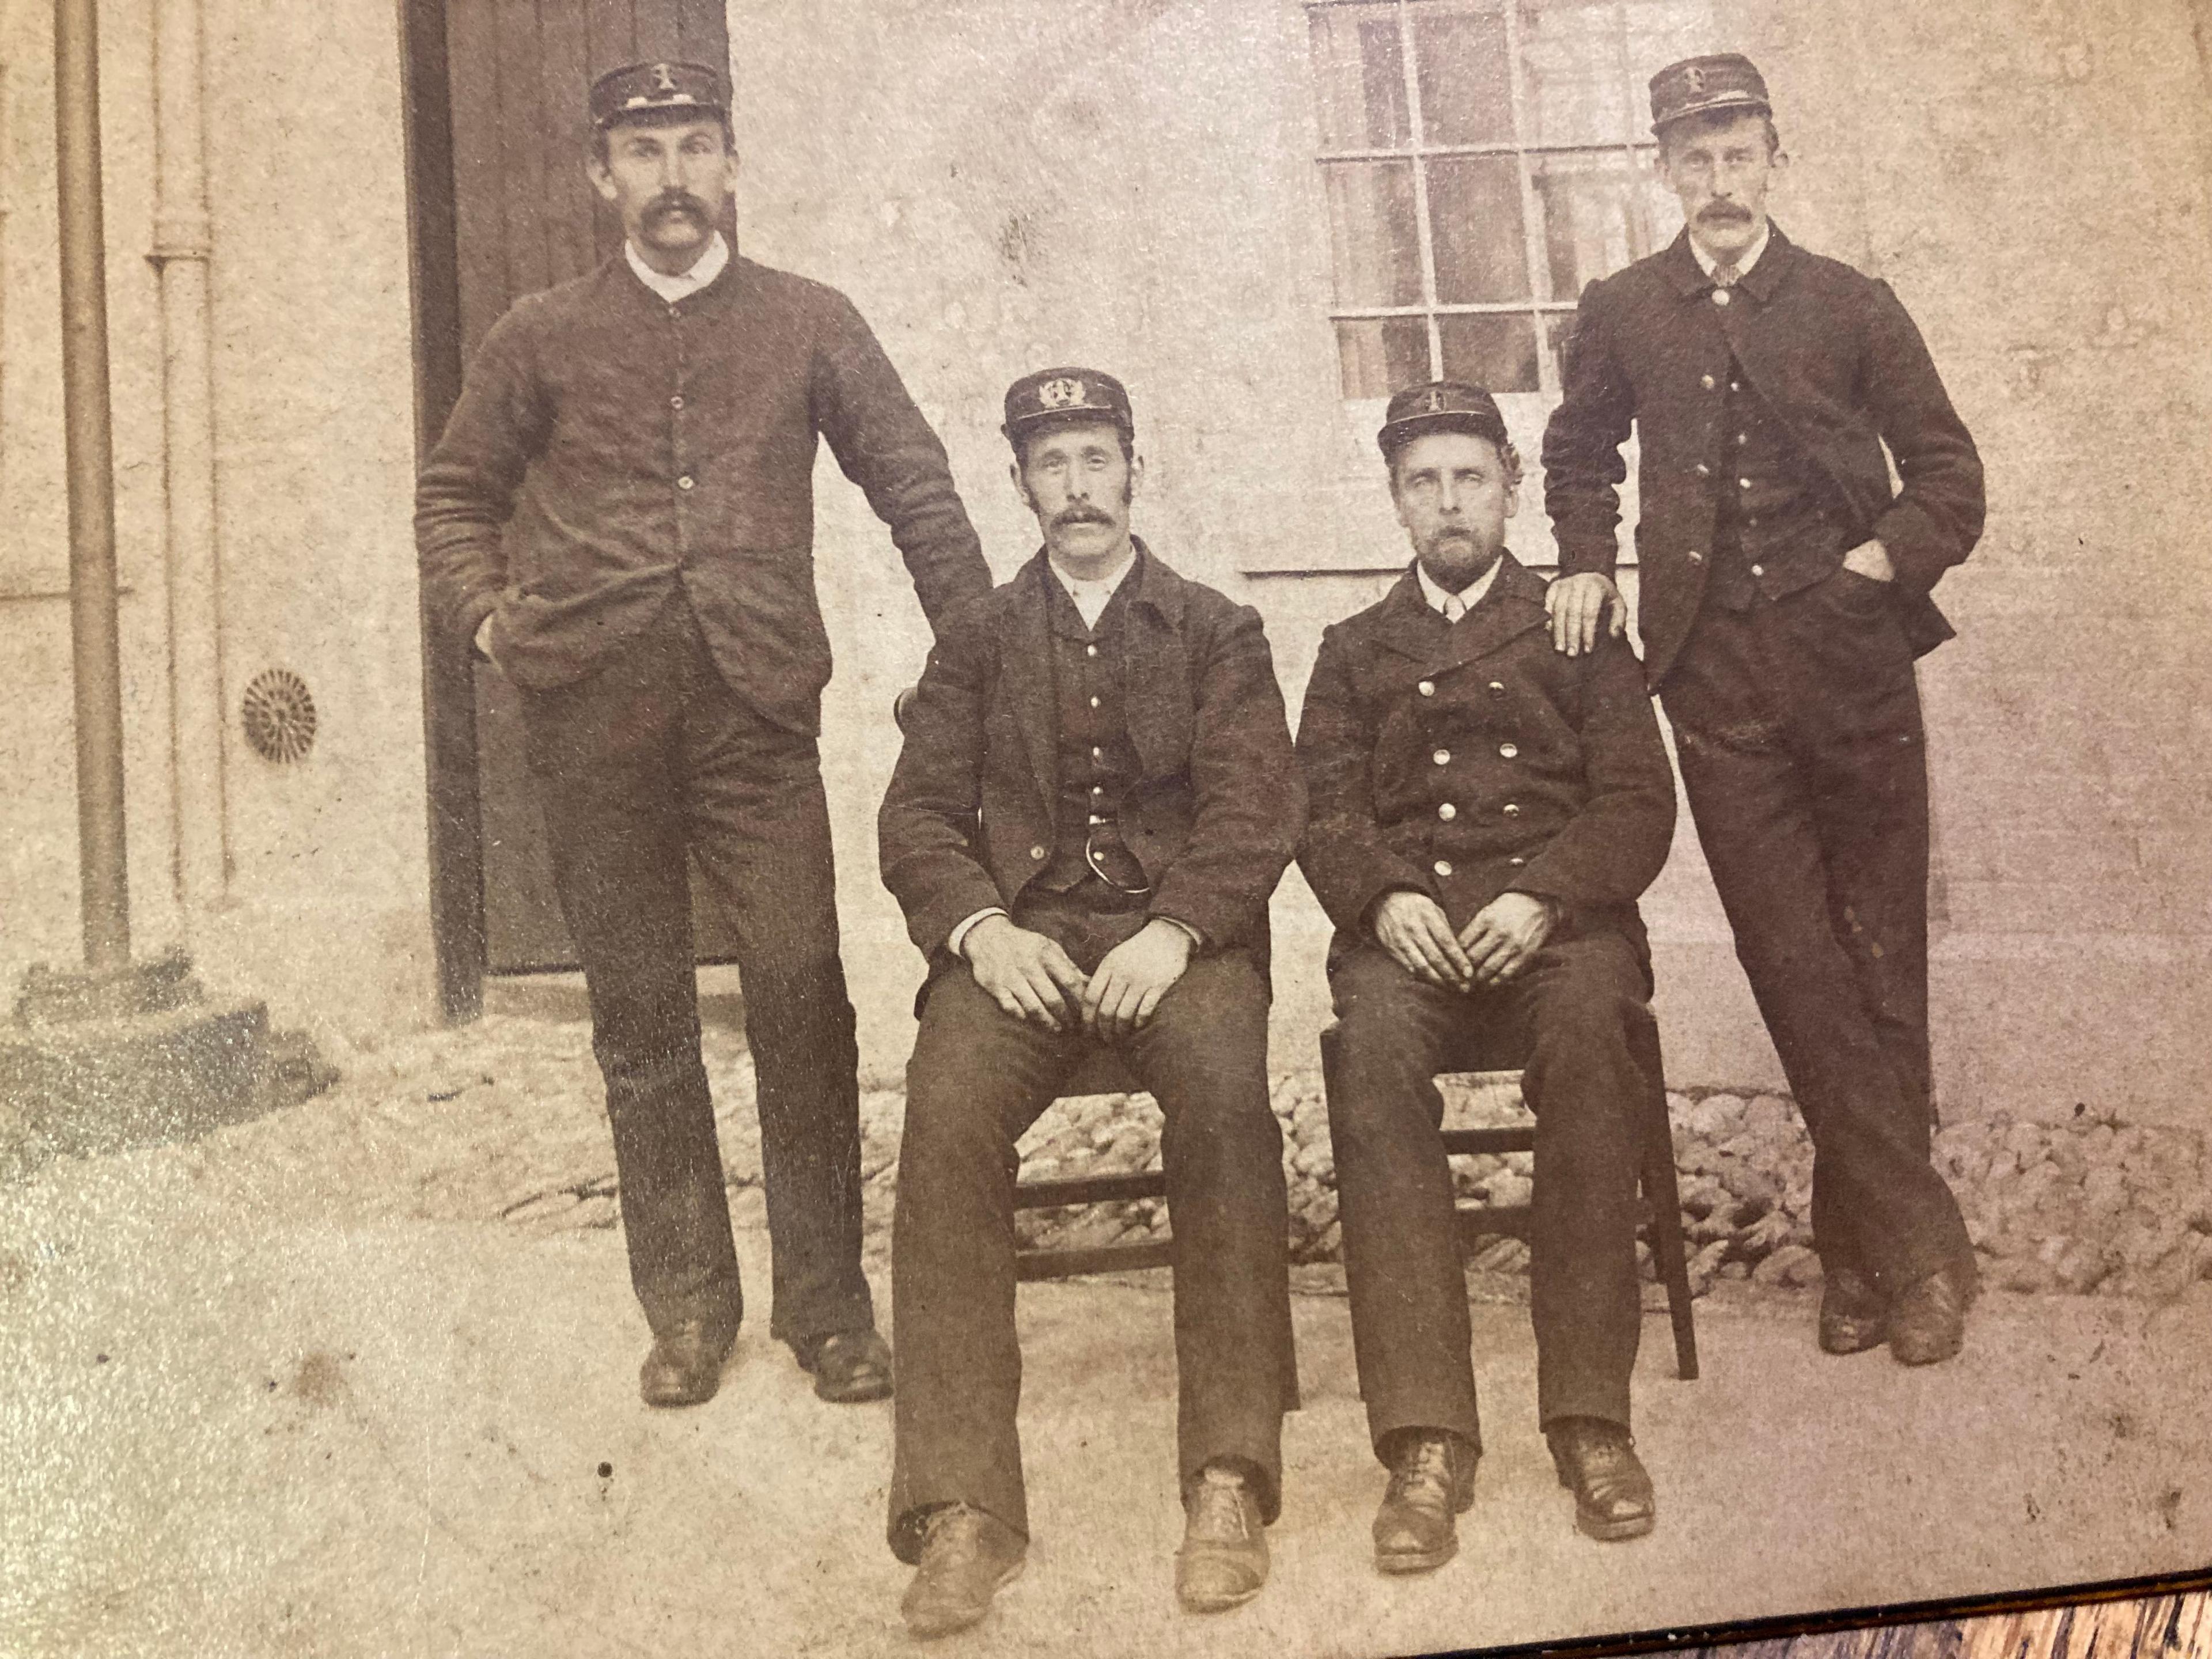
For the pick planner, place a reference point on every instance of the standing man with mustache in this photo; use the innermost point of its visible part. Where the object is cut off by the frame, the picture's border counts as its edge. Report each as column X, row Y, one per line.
column 1785, row 597
column 620, row 514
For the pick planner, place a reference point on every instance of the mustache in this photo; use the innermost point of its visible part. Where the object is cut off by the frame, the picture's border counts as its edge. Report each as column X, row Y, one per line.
column 1724, row 213
column 1080, row 515
column 675, row 201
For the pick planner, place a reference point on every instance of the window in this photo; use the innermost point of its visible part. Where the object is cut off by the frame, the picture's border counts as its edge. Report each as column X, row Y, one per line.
column 1482, row 160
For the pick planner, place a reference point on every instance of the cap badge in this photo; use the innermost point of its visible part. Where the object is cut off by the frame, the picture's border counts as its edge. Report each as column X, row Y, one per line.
column 1061, row 394
column 1436, row 400
column 664, row 79
column 1695, row 78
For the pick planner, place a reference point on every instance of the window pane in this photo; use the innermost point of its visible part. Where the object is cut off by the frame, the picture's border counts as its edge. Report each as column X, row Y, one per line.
column 1373, row 233
column 1593, row 203
column 1459, row 57
column 1496, row 352
column 1474, row 210
column 1380, row 354
column 1576, row 84
column 1359, row 78
column 1559, row 331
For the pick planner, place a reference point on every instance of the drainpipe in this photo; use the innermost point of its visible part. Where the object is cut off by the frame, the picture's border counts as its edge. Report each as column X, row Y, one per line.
column 200, row 853
column 105, row 890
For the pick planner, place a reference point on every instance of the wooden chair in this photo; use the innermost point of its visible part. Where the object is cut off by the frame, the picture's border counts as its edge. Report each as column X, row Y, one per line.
column 1103, row 1071
column 1662, row 1221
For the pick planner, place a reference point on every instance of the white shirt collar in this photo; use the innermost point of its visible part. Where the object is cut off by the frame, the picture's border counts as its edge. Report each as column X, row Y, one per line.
column 684, row 284
column 1091, row 593
column 1444, row 601
column 1706, row 261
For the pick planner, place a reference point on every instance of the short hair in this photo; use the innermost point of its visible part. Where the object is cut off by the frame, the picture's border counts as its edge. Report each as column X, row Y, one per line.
column 1712, row 120
column 1029, row 431
column 1508, row 457
column 663, row 115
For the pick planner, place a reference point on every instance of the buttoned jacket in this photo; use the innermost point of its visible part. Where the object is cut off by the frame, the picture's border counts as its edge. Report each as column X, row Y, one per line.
column 1841, row 368
column 1212, row 816
column 610, row 445
column 1467, row 759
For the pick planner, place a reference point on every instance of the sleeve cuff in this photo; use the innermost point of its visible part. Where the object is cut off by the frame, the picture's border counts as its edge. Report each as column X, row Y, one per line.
column 959, row 936
column 1197, row 938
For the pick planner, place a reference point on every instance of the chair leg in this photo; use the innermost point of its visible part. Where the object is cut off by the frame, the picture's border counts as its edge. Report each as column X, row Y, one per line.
column 1663, row 1199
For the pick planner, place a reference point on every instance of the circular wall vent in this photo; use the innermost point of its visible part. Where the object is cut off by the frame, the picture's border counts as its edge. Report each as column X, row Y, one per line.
column 280, row 715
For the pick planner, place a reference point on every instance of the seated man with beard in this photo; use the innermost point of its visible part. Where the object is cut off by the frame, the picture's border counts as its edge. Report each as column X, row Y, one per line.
column 1485, row 811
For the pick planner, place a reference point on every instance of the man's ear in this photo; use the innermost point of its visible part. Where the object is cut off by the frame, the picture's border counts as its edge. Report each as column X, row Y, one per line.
column 602, row 177
column 1021, row 485
column 1512, row 500
column 1136, row 472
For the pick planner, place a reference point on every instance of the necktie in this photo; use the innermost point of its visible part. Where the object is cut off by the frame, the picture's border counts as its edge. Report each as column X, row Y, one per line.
column 1725, row 275
column 1455, row 607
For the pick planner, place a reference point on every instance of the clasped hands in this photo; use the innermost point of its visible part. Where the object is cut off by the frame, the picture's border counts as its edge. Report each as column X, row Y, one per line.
column 1030, row 977
column 1501, row 940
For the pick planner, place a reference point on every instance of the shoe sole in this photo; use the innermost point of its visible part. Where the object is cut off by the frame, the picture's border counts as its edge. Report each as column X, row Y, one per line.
column 1221, row 1605
column 1425, row 1561
column 856, row 1393
column 1857, row 1342
column 926, row 1632
column 1613, row 1532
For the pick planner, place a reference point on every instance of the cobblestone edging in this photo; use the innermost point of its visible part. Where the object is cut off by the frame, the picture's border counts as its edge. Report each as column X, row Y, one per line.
column 2091, row 1206
column 502, row 1120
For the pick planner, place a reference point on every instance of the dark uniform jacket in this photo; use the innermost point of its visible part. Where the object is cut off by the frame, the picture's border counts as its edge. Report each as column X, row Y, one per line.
column 1212, row 816
column 1839, row 366
column 1467, row 759
column 609, row 445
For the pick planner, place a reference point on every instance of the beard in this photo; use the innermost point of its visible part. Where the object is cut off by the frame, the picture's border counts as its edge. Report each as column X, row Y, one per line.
column 1456, row 556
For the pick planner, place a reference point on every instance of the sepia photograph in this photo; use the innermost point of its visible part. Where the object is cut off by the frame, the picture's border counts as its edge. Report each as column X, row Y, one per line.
column 1285, row 828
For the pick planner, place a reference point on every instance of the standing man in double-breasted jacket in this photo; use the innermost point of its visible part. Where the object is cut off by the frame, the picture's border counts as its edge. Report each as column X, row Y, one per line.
column 620, row 514
column 1483, row 814
column 1785, row 597
column 1096, row 796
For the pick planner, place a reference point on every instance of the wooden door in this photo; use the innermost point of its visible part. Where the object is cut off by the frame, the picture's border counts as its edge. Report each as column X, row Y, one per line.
column 499, row 87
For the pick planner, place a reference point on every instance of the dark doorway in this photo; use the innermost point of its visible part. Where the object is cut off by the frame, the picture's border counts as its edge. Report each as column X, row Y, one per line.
column 496, row 140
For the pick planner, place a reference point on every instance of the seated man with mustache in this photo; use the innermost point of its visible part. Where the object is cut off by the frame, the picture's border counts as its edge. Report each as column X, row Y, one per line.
column 1484, row 812
column 620, row 514
column 1096, row 796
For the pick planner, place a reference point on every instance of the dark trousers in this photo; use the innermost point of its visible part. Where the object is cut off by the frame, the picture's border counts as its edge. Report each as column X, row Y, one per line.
column 1799, row 732
column 1576, row 1021
column 650, row 759
column 979, row 1078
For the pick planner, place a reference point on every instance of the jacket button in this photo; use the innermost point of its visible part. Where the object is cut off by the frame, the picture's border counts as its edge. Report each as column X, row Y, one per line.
column 1708, row 382
column 1741, row 439
column 1089, row 650
column 1097, row 753
column 1517, row 861
column 1758, row 570
column 1441, row 757
column 1743, row 483
column 1719, row 296
column 1696, row 557
column 1702, row 469
column 1509, row 750
column 676, row 402
column 1497, row 688
column 1036, row 852
column 1735, row 386
column 1426, row 688
column 684, row 483
column 1448, row 812
column 1094, row 702
column 1442, row 866
column 1512, row 809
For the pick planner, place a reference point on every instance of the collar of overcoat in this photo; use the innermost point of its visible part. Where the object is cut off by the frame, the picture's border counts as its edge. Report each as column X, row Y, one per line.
column 1761, row 281
column 1409, row 625
column 1156, row 697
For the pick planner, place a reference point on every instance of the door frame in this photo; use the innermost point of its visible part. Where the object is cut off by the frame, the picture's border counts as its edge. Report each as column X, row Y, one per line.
column 449, row 722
